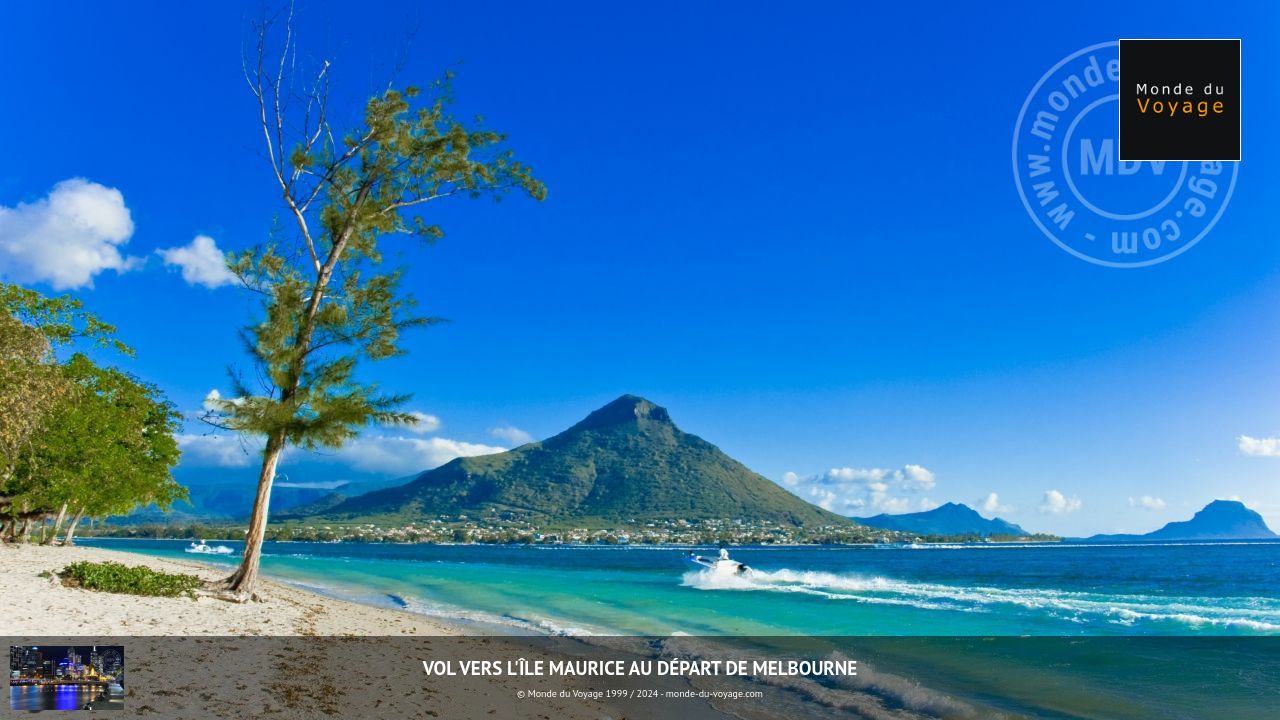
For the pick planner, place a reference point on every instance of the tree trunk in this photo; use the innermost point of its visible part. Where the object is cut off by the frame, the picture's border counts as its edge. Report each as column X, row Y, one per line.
column 244, row 579
column 57, row 526
column 71, row 529
column 26, row 530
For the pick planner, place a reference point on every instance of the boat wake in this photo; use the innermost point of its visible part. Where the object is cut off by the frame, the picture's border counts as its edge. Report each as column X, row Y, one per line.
column 203, row 548
column 1137, row 613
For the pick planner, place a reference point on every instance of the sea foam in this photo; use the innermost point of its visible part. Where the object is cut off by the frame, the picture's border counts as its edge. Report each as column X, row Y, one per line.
column 1155, row 613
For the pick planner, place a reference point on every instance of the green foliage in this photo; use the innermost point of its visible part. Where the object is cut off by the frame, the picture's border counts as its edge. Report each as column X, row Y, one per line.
column 627, row 462
column 118, row 578
column 30, row 387
column 189, row 531
column 31, row 325
column 76, row 438
column 62, row 320
column 329, row 300
column 106, row 448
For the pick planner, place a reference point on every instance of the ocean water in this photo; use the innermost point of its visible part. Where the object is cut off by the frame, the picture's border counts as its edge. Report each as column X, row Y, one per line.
column 1054, row 632
column 1224, row 588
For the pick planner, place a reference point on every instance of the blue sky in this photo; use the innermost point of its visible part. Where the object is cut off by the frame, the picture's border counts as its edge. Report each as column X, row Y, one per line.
column 795, row 228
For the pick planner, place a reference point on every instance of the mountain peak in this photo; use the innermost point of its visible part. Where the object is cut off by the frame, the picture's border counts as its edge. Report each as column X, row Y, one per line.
column 1219, row 520
column 624, row 463
column 625, row 409
column 948, row 519
column 957, row 510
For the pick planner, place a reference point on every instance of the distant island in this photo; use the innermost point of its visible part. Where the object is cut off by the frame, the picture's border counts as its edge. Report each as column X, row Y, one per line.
column 949, row 519
column 1219, row 520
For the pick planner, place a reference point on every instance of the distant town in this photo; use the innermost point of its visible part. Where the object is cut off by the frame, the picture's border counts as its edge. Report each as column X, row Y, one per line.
column 504, row 529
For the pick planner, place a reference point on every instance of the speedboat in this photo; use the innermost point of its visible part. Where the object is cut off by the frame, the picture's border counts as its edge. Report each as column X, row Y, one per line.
column 203, row 548
column 718, row 565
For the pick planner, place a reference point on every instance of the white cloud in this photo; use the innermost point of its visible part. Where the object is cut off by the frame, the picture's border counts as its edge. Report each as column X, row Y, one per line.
column 865, row 491
column 324, row 485
column 222, row 450
column 426, row 423
column 201, row 262
column 511, row 434
column 991, row 505
column 396, row 455
column 214, row 402
column 1057, row 503
column 1147, row 502
column 919, row 477
column 66, row 238
column 1260, row 447
column 910, row 476
column 391, row 455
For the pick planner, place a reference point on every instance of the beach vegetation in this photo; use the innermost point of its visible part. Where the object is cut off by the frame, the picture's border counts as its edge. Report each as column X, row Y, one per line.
column 117, row 577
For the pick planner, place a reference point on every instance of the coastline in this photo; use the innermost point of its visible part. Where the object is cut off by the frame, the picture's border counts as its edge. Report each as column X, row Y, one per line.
column 204, row 646
column 41, row 606
column 307, row 653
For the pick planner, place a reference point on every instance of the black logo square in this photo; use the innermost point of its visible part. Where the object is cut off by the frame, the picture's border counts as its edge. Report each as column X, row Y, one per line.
column 1179, row 100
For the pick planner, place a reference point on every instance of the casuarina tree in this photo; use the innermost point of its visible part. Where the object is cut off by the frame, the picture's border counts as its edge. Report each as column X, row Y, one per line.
column 329, row 300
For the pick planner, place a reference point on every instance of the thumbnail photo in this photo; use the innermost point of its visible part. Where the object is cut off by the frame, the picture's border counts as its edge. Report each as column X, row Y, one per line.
column 66, row 677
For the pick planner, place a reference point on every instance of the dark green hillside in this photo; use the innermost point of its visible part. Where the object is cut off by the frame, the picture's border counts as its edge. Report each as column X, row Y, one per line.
column 626, row 462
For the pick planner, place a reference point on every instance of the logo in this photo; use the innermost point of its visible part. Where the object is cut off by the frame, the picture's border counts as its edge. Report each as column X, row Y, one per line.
column 1180, row 100
column 1107, row 211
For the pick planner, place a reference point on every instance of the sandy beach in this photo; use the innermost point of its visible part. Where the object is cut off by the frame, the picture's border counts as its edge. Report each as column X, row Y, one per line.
column 297, row 654
column 34, row 605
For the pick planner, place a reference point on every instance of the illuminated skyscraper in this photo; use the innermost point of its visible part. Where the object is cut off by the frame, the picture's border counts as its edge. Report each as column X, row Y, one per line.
column 25, row 660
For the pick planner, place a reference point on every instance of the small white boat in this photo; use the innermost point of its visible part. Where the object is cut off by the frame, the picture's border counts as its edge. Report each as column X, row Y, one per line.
column 203, row 548
column 720, row 565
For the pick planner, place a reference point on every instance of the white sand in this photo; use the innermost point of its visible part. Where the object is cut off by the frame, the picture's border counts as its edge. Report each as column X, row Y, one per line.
column 32, row 605
column 282, row 658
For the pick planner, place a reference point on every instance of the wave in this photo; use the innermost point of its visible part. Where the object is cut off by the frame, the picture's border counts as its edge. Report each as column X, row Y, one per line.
column 1143, row 612
column 507, row 622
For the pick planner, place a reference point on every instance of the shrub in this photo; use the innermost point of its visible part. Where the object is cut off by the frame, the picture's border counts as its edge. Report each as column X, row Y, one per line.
column 117, row 578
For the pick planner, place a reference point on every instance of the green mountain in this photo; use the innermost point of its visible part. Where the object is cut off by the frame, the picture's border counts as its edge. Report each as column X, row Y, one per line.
column 624, row 463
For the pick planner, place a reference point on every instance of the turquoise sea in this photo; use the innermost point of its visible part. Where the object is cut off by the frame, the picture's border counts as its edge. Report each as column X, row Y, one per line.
column 1223, row 588
column 1115, row 632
